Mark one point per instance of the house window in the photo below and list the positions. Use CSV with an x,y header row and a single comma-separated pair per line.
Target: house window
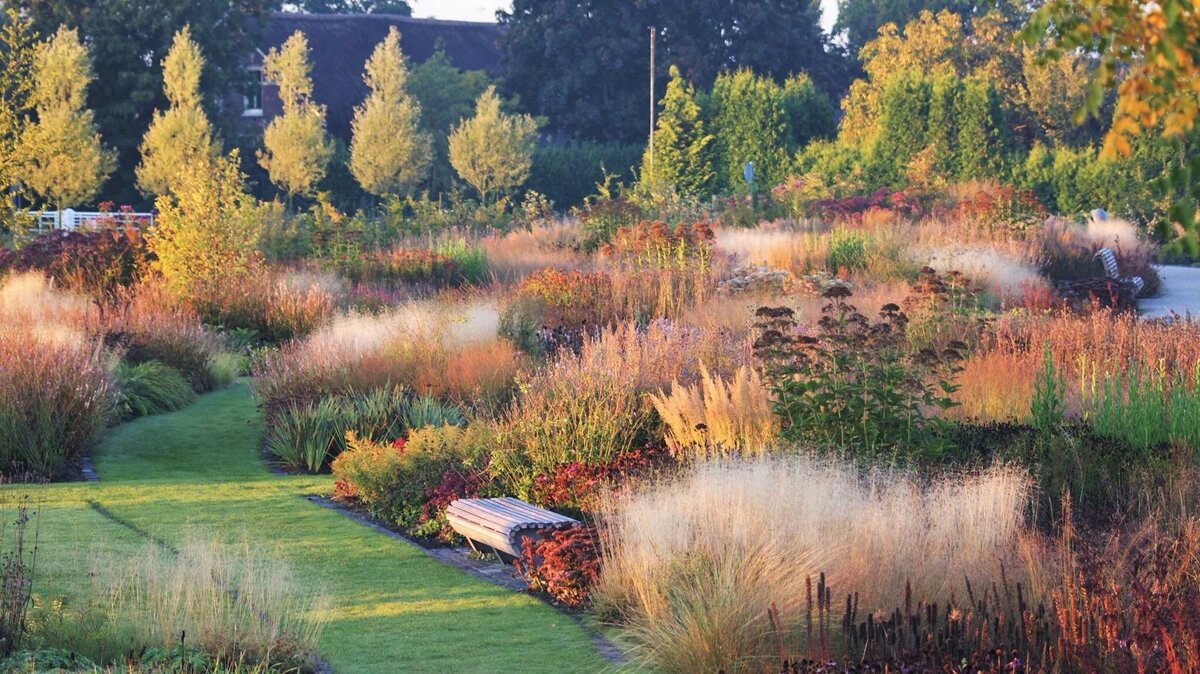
x,y
252,93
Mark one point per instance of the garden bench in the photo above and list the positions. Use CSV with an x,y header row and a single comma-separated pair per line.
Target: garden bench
x,y
1109,260
501,524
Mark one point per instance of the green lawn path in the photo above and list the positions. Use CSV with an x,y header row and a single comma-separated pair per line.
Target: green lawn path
x,y
394,609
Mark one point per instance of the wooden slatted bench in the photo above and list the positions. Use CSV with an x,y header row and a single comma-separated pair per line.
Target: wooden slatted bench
x,y
502,523
1109,260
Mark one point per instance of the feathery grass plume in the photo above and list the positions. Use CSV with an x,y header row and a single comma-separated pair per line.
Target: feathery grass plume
x,y
718,418
428,347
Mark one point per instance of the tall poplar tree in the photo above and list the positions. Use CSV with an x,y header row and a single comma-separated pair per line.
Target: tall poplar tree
x,y
493,151
296,150
182,134
389,153
60,156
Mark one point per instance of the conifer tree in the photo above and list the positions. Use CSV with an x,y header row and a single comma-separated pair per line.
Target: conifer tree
x,y
751,123
684,152
60,156
493,151
182,134
389,153
296,150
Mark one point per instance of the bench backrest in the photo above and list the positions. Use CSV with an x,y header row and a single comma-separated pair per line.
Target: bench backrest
x,y
1110,263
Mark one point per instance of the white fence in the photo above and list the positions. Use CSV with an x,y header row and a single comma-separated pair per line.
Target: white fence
x,y
71,220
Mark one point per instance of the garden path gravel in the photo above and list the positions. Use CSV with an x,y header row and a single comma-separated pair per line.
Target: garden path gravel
x,y
1180,294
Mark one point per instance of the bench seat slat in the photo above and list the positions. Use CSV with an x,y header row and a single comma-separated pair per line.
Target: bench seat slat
x,y
516,515
483,514
534,512
500,522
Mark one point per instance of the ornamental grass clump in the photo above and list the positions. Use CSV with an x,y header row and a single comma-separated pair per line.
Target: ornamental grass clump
x,y
234,603
150,326
694,563
307,436
57,391
717,417
568,412
150,388
433,349
996,382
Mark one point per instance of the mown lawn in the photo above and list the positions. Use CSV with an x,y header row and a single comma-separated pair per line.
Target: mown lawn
x,y
394,609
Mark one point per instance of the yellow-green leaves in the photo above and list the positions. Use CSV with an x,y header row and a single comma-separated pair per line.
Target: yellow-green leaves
x,y
60,156
207,230
296,149
493,151
182,134
389,154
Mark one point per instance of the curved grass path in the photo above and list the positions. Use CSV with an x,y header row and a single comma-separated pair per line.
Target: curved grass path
x,y
394,609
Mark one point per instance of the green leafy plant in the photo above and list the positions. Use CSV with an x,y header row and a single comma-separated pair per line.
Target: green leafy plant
x,y
395,481
847,250
429,411
150,388
1145,407
306,436
1047,408
853,386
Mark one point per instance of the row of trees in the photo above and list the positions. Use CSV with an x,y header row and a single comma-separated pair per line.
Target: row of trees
x,y
583,65
390,153
51,148
942,100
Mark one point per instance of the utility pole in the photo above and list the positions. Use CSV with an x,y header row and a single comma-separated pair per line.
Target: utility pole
x,y
652,33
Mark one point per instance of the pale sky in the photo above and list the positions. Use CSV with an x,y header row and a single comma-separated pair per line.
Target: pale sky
x,y
458,10
485,10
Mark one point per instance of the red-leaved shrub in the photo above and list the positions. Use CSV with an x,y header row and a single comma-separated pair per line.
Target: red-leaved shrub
x,y
562,563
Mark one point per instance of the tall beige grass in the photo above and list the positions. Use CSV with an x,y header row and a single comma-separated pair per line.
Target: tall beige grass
x,y
997,380
693,564
718,418
232,601
56,385
774,246
431,347
662,352
30,299
1004,274
518,253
